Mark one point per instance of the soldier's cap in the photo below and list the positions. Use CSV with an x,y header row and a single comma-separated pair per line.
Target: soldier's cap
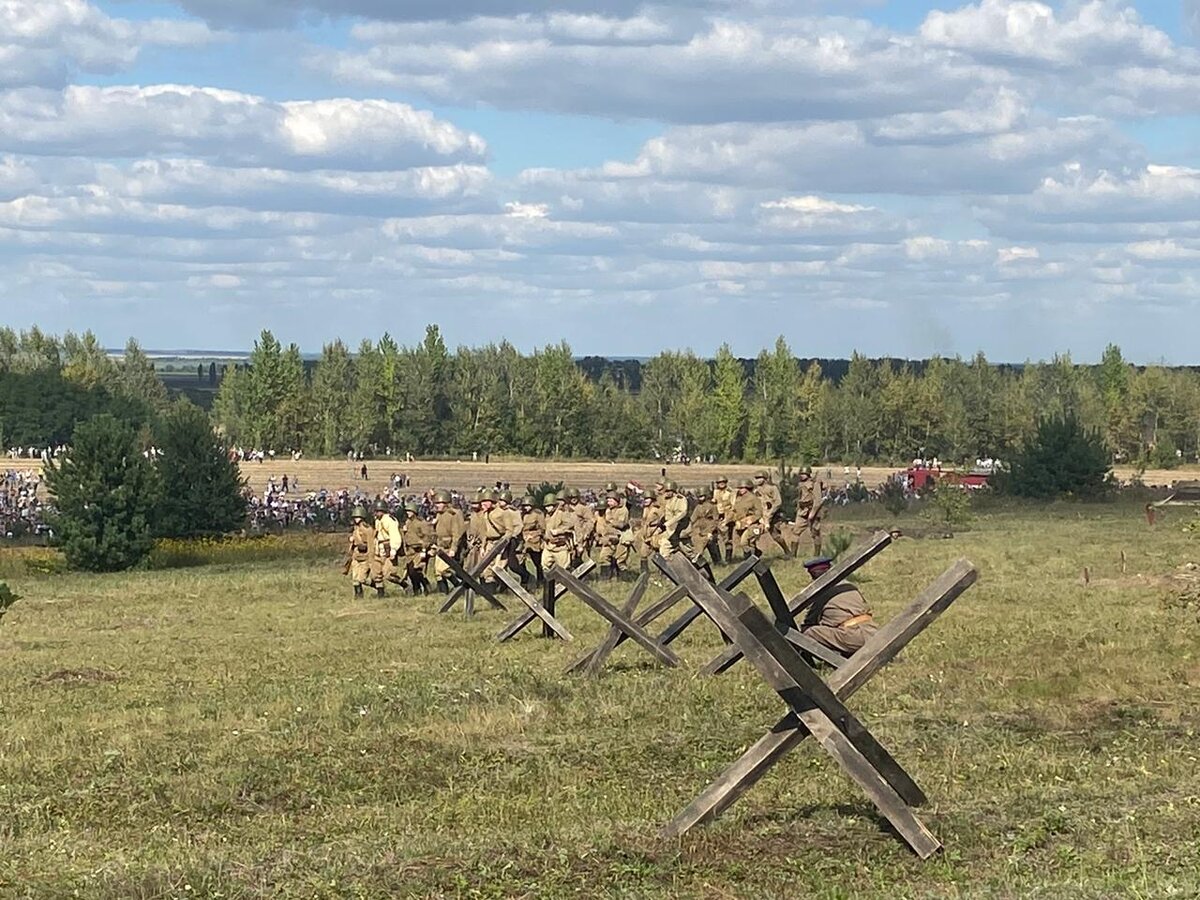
x,y
487,494
506,496
441,497
549,500
818,562
669,485
746,483
572,493
381,506
527,500
359,512
763,474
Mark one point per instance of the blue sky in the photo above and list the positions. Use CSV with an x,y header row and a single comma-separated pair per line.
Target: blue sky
x,y
899,178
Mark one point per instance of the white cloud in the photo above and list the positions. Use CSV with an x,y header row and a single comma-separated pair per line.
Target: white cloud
x,y
228,126
43,41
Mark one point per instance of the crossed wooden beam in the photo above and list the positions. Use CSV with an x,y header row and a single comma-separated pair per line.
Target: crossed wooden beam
x,y
817,707
552,591
471,582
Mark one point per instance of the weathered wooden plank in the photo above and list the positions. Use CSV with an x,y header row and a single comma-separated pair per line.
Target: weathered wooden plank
x,y
730,581
469,581
814,648
788,733
853,561
605,609
790,677
676,628
784,619
600,657
514,585
527,617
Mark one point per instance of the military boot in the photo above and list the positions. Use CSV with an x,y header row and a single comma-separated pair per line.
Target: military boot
x,y
380,591
358,591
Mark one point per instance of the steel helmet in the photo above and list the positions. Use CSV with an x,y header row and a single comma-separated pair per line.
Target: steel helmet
x,y
442,496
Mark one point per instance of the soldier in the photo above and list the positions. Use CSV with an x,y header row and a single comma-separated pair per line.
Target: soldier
x,y
810,503
613,537
559,537
419,543
495,524
841,620
389,547
650,534
449,529
533,531
361,550
701,532
474,537
749,519
772,503
723,497
675,517
513,518
584,518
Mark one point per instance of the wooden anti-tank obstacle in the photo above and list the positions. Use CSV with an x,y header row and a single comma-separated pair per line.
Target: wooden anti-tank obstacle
x,y
817,707
551,592
470,582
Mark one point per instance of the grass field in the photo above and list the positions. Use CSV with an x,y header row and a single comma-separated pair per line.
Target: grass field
x,y
246,729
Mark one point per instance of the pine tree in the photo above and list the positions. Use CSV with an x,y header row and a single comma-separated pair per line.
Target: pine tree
x,y
201,487
1063,459
107,494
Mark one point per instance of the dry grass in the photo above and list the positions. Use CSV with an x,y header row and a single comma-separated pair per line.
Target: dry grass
x,y
245,729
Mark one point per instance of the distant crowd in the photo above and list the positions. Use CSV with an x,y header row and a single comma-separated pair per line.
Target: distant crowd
x,y
23,509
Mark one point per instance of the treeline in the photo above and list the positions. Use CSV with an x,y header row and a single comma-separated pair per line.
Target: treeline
x,y
428,400
50,384
431,401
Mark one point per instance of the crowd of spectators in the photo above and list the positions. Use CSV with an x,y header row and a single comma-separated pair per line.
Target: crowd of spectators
x,y
23,509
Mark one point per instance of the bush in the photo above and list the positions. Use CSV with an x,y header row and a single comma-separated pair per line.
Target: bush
x,y
1062,460
7,599
1163,456
950,505
539,493
895,501
107,495
201,488
838,543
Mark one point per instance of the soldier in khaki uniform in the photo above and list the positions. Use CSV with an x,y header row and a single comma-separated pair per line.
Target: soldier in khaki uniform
x,y
449,529
810,504
513,517
474,534
843,620
701,532
533,532
584,518
675,517
650,534
361,550
419,542
749,520
772,502
613,537
723,497
494,525
559,538
389,547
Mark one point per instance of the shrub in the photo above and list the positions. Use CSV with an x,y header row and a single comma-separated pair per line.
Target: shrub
x,y
1163,456
107,495
895,501
539,492
838,543
201,488
950,506
1063,459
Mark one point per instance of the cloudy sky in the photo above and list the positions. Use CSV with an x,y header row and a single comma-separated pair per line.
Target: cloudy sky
x,y
900,177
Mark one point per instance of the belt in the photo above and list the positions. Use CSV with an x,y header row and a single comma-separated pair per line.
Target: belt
x,y
857,620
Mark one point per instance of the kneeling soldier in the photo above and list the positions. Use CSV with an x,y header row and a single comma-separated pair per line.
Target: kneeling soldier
x,y
843,621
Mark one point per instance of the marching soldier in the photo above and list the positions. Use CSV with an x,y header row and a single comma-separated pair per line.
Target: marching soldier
x,y
723,497
749,519
585,523
613,537
449,529
513,518
772,503
533,531
842,619
495,524
559,537
361,550
419,543
701,531
389,547
474,537
810,504
675,515
651,532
